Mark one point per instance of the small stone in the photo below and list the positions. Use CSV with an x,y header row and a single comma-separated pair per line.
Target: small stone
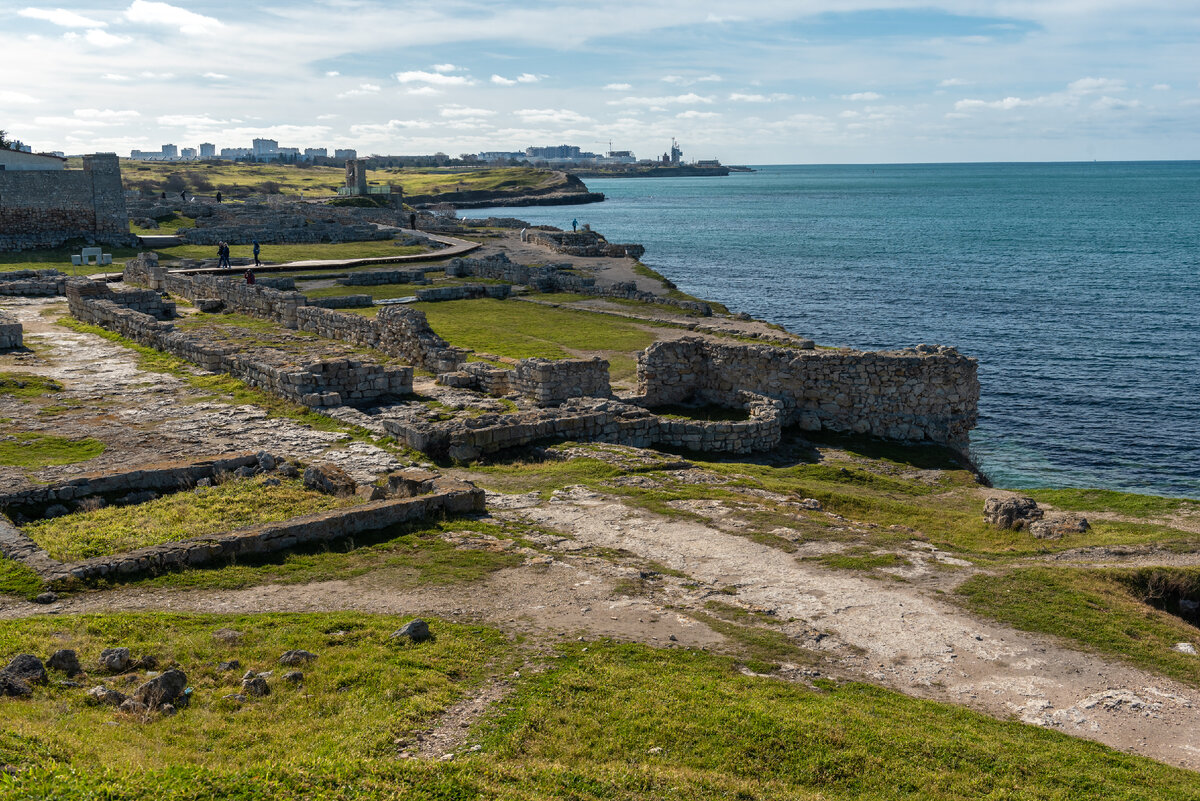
x,y
256,687
249,674
66,661
244,472
227,636
271,482
1185,648
1011,513
294,676
168,709
415,630
289,470
47,597
114,660
57,510
27,668
298,657
238,697
68,683
132,707
655,750
224,667
204,483
811,503
329,479
266,462
103,695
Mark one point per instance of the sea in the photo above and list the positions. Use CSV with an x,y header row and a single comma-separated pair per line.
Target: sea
x,y
1075,285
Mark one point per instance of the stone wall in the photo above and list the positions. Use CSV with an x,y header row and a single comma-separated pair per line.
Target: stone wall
x,y
11,332
33,283
593,419
321,383
927,393
464,292
584,243
343,302
558,278
549,383
397,330
380,277
45,208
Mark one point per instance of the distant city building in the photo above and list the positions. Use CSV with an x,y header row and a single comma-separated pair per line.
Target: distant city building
x,y
208,150
287,152
346,154
20,146
170,152
559,153
315,153
502,155
165,153
265,147
188,154
235,153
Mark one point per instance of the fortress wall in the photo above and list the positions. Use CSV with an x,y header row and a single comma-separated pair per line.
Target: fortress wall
x,y
45,208
33,283
927,393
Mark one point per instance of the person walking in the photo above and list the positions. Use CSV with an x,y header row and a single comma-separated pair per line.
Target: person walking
x,y
218,195
257,263
575,225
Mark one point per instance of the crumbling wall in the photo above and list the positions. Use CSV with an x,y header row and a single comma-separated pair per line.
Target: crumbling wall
x,y
464,292
45,208
584,243
548,383
926,393
33,283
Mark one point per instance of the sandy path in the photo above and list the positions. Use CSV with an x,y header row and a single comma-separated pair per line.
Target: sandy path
x,y
905,638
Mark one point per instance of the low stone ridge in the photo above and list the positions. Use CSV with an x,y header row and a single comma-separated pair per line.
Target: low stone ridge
x,y
464,292
334,382
382,277
448,497
925,393
33,283
559,278
11,332
584,243
592,419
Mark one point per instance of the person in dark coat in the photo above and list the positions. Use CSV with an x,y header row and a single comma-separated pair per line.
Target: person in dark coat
x,y
256,252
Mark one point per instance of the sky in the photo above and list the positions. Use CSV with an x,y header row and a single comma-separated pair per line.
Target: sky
x,y
750,82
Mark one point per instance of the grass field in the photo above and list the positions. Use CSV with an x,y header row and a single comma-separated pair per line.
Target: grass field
x,y
597,721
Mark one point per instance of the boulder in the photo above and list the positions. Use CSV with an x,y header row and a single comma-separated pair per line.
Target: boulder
x,y
1055,529
329,479
294,676
414,630
27,668
410,482
66,661
1011,513
131,706
47,597
232,664
266,462
256,687
114,660
292,658
12,686
227,636
162,689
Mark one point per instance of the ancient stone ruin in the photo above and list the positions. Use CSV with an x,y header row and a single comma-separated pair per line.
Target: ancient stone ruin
x,y
45,208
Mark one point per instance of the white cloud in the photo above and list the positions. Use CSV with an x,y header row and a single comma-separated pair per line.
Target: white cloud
x,y
685,81
1107,103
146,12
617,87
1005,104
692,114
738,97
113,76
190,121
445,68
332,74
215,76
327,116
456,112
1085,86
61,17
437,78
529,77
389,127
17,98
954,82
106,115
691,98
502,81
1161,87
863,96
363,89
550,115
425,91
156,76
99,38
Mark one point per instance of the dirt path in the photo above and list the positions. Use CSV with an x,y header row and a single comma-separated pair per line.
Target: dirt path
x,y
906,638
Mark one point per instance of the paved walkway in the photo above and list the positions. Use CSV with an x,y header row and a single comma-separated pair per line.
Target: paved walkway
x,y
454,247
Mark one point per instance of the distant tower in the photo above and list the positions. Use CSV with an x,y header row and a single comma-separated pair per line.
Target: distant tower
x,y
676,153
356,176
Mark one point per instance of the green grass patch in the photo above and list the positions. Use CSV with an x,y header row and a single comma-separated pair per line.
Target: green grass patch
x,y
182,515
1126,503
377,291
1105,611
18,580
59,258
32,450
283,253
709,413
630,722
27,385
859,559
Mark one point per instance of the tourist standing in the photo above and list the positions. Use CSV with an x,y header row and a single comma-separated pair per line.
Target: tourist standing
x,y
256,251
249,277
575,225
218,195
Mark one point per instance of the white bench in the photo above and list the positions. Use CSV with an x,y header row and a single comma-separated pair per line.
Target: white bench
x,y
87,254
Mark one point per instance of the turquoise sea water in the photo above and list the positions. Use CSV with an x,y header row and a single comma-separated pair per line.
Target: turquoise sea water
x,y
1076,286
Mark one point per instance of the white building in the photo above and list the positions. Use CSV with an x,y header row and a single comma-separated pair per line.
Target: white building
x,y
24,160
208,150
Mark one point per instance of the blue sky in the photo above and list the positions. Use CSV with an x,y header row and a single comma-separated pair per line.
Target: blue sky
x,y
776,81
